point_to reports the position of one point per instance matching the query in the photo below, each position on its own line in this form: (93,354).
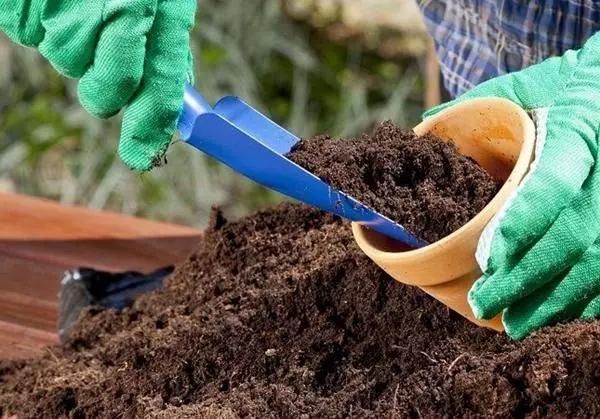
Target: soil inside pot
(281,315)
(421,182)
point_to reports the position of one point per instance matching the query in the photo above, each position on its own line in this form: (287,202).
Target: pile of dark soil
(422,183)
(281,315)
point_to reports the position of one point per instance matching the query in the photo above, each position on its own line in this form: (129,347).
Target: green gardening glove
(541,254)
(131,54)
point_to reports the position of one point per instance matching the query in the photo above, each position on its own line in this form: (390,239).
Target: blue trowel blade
(239,136)
(255,124)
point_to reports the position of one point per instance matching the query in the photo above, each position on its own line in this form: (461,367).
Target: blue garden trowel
(250,143)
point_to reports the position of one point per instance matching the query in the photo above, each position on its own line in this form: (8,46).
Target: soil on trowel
(279,315)
(421,182)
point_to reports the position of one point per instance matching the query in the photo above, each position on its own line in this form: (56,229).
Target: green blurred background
(314,66)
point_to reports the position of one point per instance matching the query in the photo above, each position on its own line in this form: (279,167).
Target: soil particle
(421,182)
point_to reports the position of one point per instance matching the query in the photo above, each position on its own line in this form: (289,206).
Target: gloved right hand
(131,54)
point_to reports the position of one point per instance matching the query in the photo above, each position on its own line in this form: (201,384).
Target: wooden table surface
(41,239)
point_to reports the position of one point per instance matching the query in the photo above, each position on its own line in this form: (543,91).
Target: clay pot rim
(516,175)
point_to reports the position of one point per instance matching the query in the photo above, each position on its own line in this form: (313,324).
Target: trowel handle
(194,105)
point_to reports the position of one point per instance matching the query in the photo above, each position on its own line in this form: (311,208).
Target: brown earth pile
(281,315)
(422,183)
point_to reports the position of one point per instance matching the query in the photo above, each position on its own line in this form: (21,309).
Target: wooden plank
(28,311)
(23,342)
(25,218)
(40,239)
(30,277)
(143,254)
(30,272)
(432,96)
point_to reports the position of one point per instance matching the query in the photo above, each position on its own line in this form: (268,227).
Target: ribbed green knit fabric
(541,254)
(130,55)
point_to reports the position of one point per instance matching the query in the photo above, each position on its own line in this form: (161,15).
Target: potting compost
(422,183)
(281,315)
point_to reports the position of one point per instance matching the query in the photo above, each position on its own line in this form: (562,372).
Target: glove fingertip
(477,312)
(140,156)
(515,331)
(592,310)
(149,125)
(484,306)
(93,106)
(141,147)
(104,93)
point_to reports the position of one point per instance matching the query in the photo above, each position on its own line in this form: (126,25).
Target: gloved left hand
(131,54)
(541,253)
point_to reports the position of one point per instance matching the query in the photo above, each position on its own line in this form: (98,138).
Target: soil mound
(281,315)
(421,182)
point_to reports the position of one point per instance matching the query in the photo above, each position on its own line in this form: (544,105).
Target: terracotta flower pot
(500,136)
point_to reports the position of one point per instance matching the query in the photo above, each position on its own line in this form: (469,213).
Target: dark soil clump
(280,315)
(423,183)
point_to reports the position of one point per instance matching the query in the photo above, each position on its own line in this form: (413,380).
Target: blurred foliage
(50,147)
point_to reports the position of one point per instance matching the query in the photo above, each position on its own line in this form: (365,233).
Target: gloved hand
(131,54)
(541,254)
